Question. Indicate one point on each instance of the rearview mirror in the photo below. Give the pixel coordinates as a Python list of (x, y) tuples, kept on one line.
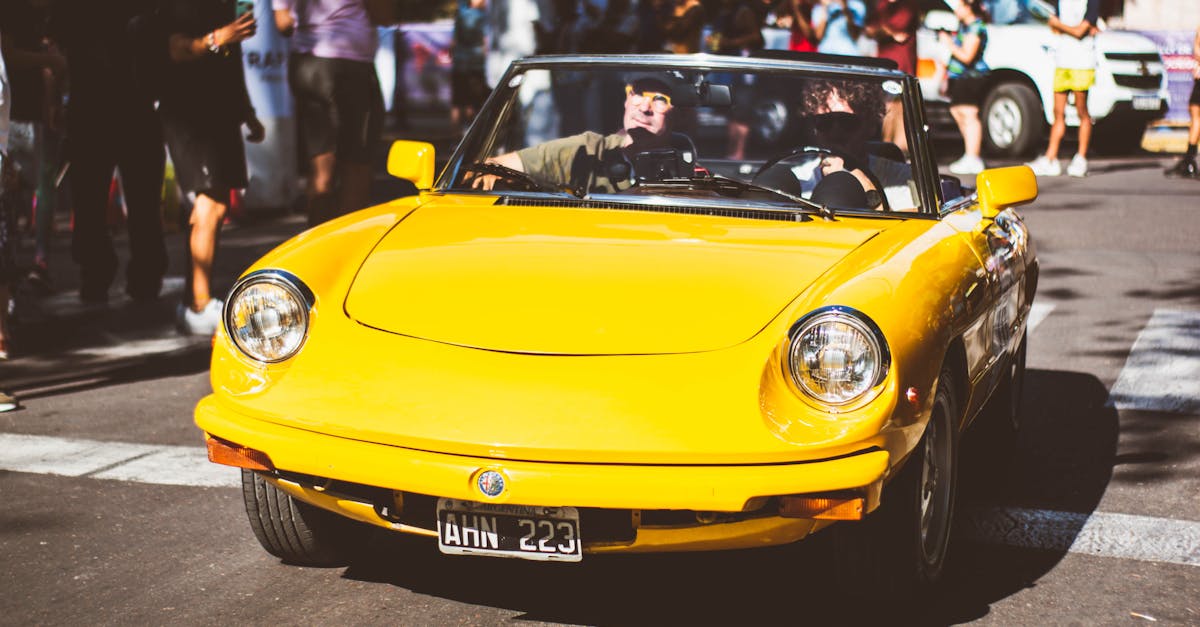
[(714, 95)]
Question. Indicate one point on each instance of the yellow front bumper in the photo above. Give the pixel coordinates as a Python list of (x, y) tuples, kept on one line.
[(718, 488)]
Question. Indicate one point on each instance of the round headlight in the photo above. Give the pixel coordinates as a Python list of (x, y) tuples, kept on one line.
[(836, 356), (267, 315)]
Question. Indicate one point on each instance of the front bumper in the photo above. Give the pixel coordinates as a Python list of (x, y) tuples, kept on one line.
[(699, 488)]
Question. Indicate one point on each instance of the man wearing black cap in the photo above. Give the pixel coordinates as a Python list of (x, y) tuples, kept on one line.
[(573, 161)]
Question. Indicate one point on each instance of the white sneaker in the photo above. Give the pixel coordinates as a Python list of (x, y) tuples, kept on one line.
[(1043, 166), (967, 165), (8, 403), (1078, 166), (203, 322)]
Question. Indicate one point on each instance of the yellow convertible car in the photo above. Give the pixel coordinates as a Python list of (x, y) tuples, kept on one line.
[(652, 303)]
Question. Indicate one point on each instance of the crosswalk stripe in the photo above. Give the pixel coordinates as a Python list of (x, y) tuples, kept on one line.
[(1038, 313), (1098, 533), (1162, 372), (142, 463)]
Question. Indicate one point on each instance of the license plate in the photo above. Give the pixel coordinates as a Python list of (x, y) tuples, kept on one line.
[(1146, 103), (520, 531)]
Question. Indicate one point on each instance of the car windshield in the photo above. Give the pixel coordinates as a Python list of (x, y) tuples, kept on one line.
[(724, 133)]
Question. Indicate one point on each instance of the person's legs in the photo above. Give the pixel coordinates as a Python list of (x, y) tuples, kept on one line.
[(1059, 127), (141, 165), (321, 198), (1085, 121), (91, 245), (208, 213), (1194, 129), (46, 201), (358, 114)]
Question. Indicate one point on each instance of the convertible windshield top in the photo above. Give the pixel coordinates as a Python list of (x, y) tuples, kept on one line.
[(706, 129)]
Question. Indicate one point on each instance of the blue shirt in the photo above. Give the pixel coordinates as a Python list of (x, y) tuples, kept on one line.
[(956, 68), (837, 39)]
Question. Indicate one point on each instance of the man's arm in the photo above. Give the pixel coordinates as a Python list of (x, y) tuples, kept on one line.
[(1087, 27), (184, 48)]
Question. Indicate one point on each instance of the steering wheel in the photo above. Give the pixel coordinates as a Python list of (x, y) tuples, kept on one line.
[(818, 152), (515, 180)]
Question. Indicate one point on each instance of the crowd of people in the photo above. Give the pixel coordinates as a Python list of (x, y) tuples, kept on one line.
[(96, 92), (91, 89)]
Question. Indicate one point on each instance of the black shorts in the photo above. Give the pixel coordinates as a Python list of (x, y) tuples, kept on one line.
[(967, 90), (468, 88), (339, 106), (1195, 99), (207, 152)]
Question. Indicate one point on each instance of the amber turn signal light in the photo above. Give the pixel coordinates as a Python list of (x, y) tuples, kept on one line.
[(230, 454), (822, 507)]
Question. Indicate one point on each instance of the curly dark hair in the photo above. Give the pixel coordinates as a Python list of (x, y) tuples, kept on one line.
[(865, 97)]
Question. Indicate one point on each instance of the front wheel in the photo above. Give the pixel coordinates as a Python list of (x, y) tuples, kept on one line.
[(899, 551), (1013, 120), (294, 531)]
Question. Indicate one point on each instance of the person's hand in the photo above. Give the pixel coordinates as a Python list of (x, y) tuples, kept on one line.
[(236, 31), (831, 164), (945, 38), (257, 132)]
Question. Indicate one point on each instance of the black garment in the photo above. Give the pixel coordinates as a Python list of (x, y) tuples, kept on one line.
[(203, 102), (213, 86), (111, 124), (23, 28), (132, 143)]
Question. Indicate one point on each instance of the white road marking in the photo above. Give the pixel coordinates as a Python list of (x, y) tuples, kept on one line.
[(142, 463), (1098, 533), (1038, 313), (1163, 369)]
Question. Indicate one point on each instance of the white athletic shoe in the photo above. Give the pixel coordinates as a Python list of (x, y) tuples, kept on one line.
[(967, 165), (203, 322), (1045, 167), (1078, 166)]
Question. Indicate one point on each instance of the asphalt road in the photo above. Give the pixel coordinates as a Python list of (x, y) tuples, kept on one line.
[(1096, 520)]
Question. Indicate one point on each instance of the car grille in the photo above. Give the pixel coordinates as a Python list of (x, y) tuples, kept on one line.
[(1148, 57), (1151, 81), (599, 526)]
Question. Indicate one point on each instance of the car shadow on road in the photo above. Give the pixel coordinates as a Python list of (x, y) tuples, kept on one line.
[(1063, 462)]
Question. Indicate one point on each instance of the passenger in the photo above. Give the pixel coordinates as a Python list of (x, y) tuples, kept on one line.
[(844, 117)]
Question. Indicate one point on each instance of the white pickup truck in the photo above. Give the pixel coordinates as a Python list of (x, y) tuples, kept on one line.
[(1130, 89)]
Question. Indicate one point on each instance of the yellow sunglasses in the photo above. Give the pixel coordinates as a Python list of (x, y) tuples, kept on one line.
[(660, 102)]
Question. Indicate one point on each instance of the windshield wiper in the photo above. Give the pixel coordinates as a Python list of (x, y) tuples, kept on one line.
[(724, 182)]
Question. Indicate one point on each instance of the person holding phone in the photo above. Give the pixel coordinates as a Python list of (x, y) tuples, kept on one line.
[(204, 106), (339, 104)]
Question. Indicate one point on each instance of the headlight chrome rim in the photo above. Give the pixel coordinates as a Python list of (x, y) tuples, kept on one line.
[(857, 321), (295, 289)]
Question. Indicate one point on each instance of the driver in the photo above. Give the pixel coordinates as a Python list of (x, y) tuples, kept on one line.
[(844, 116), (591, 161)]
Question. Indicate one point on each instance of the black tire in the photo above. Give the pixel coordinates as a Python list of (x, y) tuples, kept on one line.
[(296, 532), (899, 551), (1013, 119)]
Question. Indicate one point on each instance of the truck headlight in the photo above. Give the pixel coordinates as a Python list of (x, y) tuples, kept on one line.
[(266, 315), (837, 356)]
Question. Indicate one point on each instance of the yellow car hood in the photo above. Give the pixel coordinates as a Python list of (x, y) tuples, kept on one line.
[(572, 281)]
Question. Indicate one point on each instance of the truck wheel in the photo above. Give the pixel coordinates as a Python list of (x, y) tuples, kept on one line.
[(1013, 120), (294, 531), (899, 551)]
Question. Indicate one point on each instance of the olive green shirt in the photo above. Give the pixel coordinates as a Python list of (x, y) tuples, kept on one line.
[(575, 161)]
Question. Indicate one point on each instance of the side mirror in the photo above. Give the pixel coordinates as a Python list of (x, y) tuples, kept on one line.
[(411, 161), (1001, 188)]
